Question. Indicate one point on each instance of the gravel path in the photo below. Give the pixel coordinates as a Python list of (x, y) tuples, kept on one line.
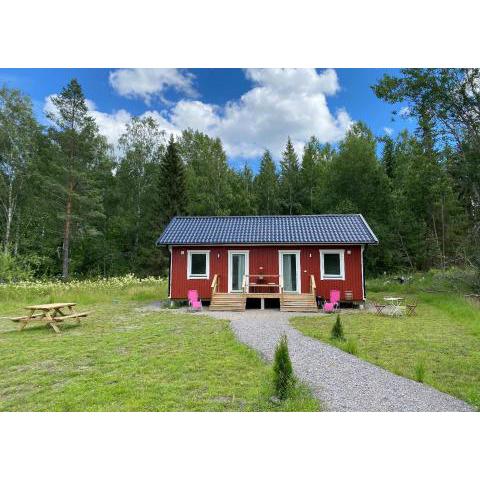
[(341, 381)]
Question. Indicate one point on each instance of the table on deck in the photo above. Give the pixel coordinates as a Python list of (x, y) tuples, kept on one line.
[(50, 314)]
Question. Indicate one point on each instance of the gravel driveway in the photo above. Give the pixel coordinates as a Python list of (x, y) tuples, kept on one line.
[(341, 381)]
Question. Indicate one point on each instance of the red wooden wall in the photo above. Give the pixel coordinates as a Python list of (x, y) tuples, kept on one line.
[(267, 257)]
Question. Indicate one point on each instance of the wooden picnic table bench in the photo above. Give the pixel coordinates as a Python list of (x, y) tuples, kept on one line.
[(50, 314)]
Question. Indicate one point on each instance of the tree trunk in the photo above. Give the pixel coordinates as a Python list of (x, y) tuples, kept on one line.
[(8, 226), (406, 251), (443, 233), (137, 222), (436, 234), (17, 235), (66, 233)]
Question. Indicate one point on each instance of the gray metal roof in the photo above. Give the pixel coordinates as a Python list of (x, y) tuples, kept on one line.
[(269, 229)]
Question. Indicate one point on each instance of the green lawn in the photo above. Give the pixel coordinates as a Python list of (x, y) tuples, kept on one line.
[(125, 359), (443, 340)]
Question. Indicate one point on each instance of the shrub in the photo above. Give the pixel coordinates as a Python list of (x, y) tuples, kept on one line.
[(12, 269), (351, 346), (283, 379), (420, 370), (337, 330)]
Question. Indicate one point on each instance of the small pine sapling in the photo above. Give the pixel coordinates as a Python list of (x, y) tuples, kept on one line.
[(282, 369), (337, 330)]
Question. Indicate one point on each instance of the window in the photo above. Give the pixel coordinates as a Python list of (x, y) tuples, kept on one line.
[(198, 264), (332, 264)]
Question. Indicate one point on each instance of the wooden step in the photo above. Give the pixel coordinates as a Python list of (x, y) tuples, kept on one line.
[(228, 302), (298, 303)]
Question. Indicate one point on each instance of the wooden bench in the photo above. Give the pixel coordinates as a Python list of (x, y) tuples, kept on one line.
[(60, 318), (25, 317)]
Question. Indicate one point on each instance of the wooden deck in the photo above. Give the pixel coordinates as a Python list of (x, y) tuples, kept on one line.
[(289, 302)]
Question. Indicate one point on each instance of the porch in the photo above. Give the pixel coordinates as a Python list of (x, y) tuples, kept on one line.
[(263, 286)]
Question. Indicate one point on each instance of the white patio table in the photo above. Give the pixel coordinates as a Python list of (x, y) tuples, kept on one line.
[(395, 303)]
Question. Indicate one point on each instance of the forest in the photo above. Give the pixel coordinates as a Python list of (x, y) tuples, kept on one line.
[(73, 206)]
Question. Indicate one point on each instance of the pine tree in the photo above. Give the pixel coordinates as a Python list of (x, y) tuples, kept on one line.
[(80, 149), (172, 184), (243, 192), (289, 180), (267, 187), (310, 175), (337, 330), (388, 155), (282, 369)]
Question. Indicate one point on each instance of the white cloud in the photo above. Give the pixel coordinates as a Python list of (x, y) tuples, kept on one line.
[(305, 80), (147, 83), (388, 131), (48, 106), (281, 103), (196, 115), (404, 111), (111, 125)]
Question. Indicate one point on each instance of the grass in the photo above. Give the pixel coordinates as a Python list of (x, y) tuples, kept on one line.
[(125, 358), (440, 346)]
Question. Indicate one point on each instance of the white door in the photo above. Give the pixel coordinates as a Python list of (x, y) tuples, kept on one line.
[(289, 268), (237, 268)]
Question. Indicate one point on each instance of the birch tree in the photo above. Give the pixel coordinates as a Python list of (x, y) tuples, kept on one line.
[(18, 130), (209, 189), (141, 149)]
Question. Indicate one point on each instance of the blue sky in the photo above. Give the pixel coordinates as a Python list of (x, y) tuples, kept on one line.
[(249, 109)]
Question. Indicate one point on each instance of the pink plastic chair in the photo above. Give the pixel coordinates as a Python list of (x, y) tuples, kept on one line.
[(193, 300), (334, 303), (328, 307)]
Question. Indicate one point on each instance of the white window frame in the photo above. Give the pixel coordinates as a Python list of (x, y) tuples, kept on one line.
[(323, 275), (299, 275), (189, 265), (247, 271)]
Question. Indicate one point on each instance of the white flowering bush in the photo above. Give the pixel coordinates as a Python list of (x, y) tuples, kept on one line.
[(53, 290)]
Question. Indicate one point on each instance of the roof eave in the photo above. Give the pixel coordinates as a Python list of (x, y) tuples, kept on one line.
[(157, 243)]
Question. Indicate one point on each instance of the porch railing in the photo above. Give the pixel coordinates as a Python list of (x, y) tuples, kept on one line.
[(215, 284), (313, 285), (257, 282)]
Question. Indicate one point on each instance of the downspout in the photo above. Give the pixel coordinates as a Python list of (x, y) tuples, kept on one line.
[(363, 276), (170, 272)]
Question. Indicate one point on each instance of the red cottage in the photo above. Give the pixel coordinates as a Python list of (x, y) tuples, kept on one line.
[(290, 258)]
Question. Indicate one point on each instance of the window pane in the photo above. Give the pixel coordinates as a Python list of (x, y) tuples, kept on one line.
[(199, 264), (238, 270), (331, 264), (289, 272)]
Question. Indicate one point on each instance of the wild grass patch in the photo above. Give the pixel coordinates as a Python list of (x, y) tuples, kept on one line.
[(420, 370)]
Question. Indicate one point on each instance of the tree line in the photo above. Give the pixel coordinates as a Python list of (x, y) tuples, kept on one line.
[(73, 205)]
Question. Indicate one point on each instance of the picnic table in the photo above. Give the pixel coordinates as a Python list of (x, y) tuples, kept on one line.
[(50, 314), (395, 304)]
